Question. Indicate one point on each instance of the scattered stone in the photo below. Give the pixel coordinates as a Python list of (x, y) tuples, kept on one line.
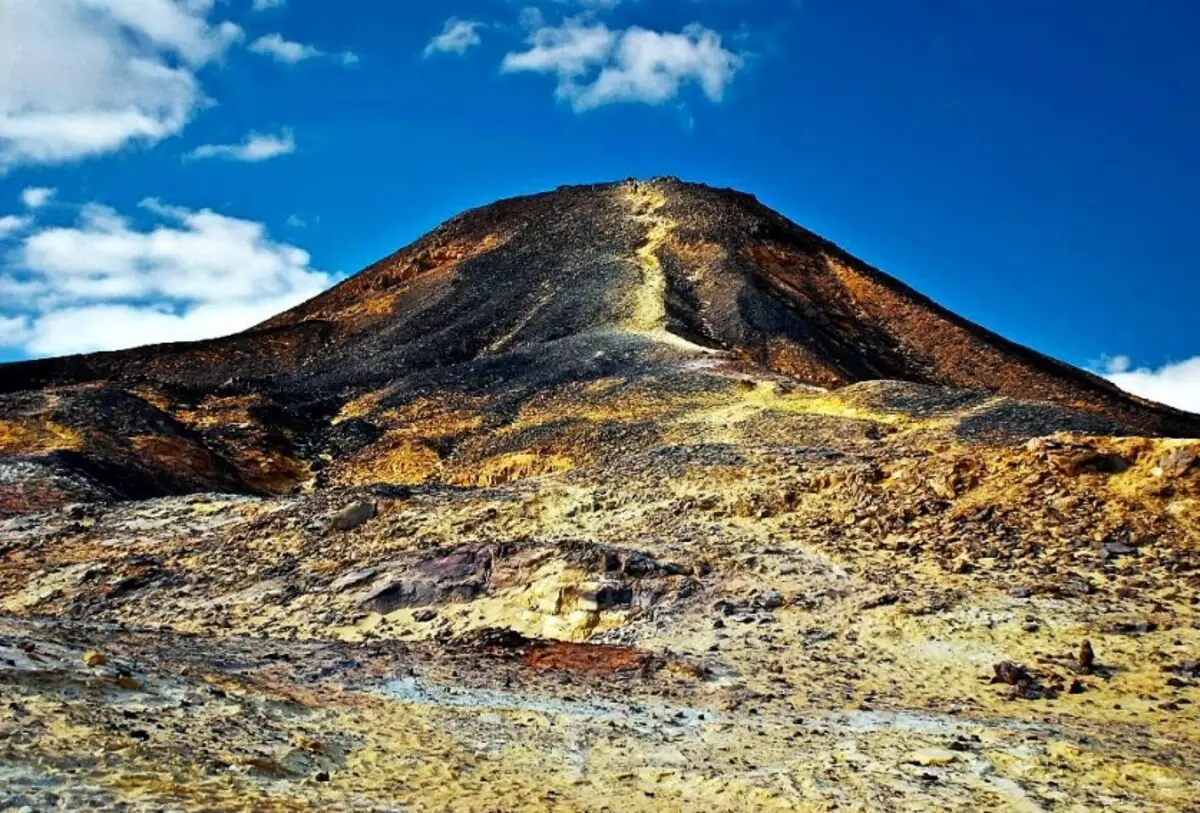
[(1133, 627), (883, 600), (932, 757), (425, 615), (355, 515), (354, 578), (1087, 657), (455, 577), (771, 600), (1185, 669), (94, 658), (1178, 461), (1111, 550), (1012, 673)]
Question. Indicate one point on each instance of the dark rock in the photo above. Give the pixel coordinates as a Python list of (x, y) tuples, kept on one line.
[(456, 577), (1178, 461), (1139, 627), (1114, 549), (1186, 668), (771, 600), (1087, 657), (1076, 586), (354, 515), (354, 578), (1012, 673)]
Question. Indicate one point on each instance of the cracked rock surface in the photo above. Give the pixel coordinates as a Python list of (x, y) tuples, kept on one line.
[(593, 501)]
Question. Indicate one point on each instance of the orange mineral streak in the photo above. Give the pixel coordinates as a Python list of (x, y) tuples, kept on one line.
[(960, 355), (516, 466), (34, 436), (269, 471), (585, 659), (176, 456), (396, 459), (409, 281)]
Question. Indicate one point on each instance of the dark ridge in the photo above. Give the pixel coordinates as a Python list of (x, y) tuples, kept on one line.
[(631, 282)]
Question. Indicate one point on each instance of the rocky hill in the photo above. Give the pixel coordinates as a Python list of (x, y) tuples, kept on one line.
[(634, 496)]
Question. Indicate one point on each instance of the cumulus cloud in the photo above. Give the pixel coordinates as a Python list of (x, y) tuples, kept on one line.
[(591, 4), (596, 66), (284, 50), (290, 52), (14, 330), (11, 224), (457, 37), (1176, 384), (256, 148), (80, 78), (104, 284), (35, 197), (264, 5)]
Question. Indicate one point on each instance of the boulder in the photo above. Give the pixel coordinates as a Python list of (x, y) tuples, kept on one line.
[(354, 515)]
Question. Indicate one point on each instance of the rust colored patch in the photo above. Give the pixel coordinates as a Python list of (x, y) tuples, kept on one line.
[(220, 412), (175, 455), (22, 498), (396, 459), (801, 363), (376, 292), (586, 659), (517, 466), (32, 436), (269, 471)]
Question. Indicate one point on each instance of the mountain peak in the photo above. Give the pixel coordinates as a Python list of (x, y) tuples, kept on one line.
[(660, 281)]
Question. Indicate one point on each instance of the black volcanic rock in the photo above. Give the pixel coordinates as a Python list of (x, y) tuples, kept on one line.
[(629, 282)]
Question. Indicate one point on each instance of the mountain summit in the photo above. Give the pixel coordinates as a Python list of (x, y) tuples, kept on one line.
[(625, 281), (633, 281), (633, 496)]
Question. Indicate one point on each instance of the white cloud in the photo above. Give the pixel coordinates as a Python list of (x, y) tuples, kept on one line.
[(104, 284), (283, 50), (256, 148), (35, 197), (596, 66), (1176, 384), (11, 224), (457, 37), (264, 5), (80, 78), (591, 4), (14, 330), (290, 52), (91, 328)]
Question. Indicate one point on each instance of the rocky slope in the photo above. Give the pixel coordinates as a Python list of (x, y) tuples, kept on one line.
[(623, 497)]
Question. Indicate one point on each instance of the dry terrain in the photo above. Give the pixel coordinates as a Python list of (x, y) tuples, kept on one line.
[(626, 497)]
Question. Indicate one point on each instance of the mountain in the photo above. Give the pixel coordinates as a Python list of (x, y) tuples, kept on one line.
[(494, 308), (623, 497)]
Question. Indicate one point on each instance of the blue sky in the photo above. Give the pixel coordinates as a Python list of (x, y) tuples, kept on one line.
[(172, 169)]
